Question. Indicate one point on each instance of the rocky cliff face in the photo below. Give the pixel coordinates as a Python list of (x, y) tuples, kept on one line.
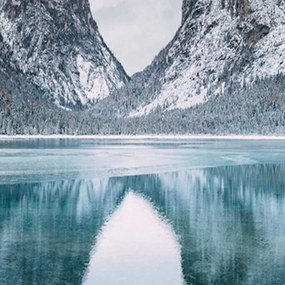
[(219, 42), (57, 46)]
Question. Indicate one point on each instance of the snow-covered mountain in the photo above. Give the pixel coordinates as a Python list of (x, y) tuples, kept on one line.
[(56, 45), (223, 72), (219, 42)]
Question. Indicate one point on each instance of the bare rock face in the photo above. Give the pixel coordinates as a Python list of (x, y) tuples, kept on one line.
[(57, 46), (219, 42)]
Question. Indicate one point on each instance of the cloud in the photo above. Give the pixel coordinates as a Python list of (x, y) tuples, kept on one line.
[(137, 30)]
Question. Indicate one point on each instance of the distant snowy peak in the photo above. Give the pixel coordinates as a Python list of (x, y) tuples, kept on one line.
[(57, 45), (219, 42)]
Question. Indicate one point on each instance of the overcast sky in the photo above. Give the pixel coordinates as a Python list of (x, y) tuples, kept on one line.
[(136, 30)]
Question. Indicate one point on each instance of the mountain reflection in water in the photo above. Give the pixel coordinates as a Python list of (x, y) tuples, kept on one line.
[(229, 222)]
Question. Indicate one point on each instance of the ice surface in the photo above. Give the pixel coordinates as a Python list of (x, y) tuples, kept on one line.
[(36, 160)]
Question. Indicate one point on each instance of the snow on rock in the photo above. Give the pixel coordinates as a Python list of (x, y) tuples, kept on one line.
[(219, 42), (57, 45), (92, 80)]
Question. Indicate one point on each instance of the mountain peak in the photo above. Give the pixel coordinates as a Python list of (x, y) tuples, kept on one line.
[(219, 42), (56, 43)]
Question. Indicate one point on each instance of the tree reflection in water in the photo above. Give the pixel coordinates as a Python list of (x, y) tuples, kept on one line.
[(230, 223)]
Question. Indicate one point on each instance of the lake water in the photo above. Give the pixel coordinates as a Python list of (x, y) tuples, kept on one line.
[(142, 212)]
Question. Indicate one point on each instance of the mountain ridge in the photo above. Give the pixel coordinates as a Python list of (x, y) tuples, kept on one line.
[(218, 42), (57, 45), (222, 73)]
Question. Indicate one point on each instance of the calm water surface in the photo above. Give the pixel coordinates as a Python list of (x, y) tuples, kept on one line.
[(142, 212)]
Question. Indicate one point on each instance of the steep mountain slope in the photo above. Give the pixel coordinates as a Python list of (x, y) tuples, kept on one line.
[(218, 43), (56, 45)]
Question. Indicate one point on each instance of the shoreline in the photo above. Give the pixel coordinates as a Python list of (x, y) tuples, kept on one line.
[(146, 137)]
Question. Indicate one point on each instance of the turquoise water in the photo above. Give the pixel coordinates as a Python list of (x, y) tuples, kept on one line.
[(142, 212)]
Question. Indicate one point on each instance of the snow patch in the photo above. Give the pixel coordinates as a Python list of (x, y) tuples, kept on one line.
[(91, 79)]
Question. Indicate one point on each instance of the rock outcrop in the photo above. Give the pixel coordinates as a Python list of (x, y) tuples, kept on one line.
[(57, 46)]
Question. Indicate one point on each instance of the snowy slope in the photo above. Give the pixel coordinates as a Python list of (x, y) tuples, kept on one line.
[(57, 45), (219, 42)]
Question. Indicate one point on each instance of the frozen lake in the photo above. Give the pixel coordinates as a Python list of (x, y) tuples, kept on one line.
[(142, 211), (39, 160)]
